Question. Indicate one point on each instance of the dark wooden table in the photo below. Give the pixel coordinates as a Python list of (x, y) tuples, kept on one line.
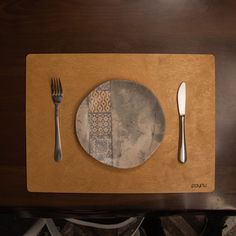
[(160, 26)]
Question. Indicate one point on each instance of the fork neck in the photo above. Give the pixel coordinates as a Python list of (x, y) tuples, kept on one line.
[(57, 109)]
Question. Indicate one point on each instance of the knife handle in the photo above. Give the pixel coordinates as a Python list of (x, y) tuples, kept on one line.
[(182, 143)]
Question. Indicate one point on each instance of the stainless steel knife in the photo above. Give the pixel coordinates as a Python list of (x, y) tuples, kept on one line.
[(182, 155)]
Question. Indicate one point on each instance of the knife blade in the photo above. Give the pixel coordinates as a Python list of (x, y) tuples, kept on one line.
[(181, 97)]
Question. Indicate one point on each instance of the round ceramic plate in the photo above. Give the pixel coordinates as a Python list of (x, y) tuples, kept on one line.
[(120, 123)]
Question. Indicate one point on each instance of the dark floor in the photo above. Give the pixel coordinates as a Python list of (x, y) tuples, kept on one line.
[(175, 225)]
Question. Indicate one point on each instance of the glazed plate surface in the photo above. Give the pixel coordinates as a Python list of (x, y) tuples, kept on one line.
[(120, 123)]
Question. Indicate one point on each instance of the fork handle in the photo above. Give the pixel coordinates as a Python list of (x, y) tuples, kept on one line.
[(57, 150)]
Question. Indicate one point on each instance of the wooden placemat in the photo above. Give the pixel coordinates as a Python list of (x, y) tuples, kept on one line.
[(80, 73)]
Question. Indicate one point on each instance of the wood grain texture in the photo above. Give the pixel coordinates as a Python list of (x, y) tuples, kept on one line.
[(115, 26)]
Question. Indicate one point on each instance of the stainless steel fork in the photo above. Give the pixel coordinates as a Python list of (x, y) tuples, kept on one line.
[(57, 94)]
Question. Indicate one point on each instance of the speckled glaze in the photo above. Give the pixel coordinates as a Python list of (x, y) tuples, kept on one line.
[(120, 123)]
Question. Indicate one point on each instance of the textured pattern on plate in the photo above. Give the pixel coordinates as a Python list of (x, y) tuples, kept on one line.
[(120, 123), (99, 115)]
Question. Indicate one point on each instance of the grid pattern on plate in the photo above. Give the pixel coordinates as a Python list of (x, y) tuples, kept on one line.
[(100, 123)]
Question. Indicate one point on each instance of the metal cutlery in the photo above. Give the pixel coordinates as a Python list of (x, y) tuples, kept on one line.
[(57, 94), (181, 99)]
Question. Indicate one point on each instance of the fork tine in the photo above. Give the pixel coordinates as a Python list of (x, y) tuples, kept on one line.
[(57, 88), (52, 86), (60, 87), (54, 89)]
